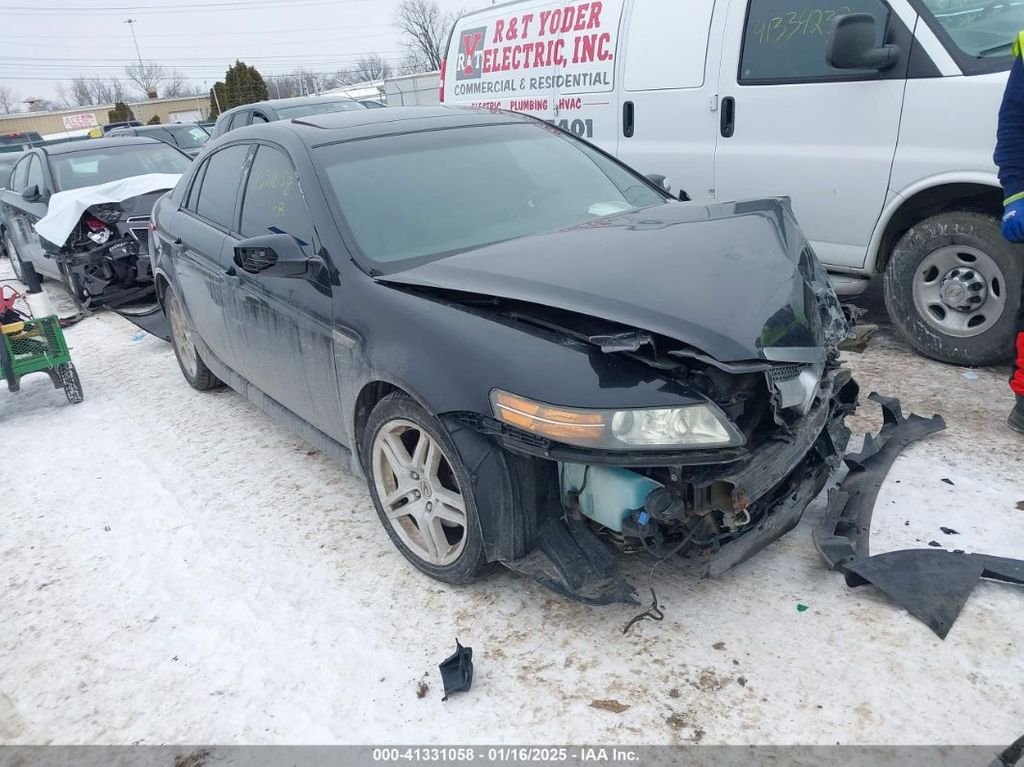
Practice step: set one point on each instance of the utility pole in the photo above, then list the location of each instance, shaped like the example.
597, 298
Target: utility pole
131, 25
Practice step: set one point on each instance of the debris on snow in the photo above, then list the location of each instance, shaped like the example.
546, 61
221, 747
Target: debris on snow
609, 705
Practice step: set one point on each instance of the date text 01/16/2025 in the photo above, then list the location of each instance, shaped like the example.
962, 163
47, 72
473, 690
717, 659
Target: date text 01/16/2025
502, 754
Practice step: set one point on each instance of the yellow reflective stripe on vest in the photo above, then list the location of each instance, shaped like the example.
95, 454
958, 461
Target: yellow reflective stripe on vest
1018, 44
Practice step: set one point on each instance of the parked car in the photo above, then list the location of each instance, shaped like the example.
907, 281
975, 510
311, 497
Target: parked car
876, 117
104, 257
281, 109
102, 130
20, 139
510, 332
188, 138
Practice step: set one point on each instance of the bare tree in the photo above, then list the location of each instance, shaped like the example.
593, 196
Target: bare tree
177, 86
90, 91
147, 76
8, 99
371, 69
425, 29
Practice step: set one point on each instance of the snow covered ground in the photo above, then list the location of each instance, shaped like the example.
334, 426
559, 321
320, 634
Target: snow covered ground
174, 568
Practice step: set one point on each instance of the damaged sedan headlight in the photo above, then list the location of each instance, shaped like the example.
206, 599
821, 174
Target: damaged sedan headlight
676, 428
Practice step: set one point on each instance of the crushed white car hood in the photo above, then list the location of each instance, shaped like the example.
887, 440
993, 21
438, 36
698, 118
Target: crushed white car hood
65, 209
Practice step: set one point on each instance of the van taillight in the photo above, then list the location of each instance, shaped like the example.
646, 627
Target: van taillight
440, 91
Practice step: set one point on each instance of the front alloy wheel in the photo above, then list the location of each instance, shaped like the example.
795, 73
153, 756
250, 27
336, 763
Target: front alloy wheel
422, 492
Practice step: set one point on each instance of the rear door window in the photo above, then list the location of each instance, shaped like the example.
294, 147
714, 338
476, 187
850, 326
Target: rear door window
220, 186
241, 119
273, 202
787, 41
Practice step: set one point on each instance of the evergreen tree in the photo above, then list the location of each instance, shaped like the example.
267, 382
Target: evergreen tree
218, 99
154, 120
242, 85
120, 113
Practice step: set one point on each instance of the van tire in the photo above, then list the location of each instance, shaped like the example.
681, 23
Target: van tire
974, 241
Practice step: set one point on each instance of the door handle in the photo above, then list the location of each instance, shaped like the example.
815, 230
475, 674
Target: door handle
628, 119
728, 117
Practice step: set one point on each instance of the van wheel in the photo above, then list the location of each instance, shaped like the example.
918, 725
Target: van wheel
421, 490
952, 288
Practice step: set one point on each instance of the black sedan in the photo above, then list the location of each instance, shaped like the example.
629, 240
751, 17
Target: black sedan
106, 256
188, 138
528, 349
282, 109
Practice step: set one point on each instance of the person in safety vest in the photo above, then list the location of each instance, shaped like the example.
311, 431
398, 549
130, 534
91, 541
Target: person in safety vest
1009, 157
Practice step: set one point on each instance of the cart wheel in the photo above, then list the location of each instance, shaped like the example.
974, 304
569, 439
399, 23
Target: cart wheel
71, 383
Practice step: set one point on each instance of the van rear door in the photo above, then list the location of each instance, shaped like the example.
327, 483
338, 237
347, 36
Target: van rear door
554, 60
793, 125
667, 98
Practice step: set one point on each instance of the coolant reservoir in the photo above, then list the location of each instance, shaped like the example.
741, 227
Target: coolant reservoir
610, 494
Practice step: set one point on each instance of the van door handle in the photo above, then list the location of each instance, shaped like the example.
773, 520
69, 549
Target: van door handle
628, 119
728, 118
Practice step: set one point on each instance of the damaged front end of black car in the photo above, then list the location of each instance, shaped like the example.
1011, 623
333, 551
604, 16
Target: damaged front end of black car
105, 262
739, 336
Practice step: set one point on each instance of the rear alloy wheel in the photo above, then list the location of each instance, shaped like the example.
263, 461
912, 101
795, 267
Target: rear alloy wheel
952, 288
12, 253
422, 492
192, 366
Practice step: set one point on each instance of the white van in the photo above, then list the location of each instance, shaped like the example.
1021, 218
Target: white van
876, 117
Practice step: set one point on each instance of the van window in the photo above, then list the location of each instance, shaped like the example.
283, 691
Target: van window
667, 49
785, 41
980, 30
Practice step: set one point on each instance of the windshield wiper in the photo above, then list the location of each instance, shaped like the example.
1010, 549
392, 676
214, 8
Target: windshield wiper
994, 48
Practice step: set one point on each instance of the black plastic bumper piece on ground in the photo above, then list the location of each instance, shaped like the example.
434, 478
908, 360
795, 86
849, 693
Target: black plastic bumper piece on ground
457, 670
930, 584
571, 561
845, 530
155, 323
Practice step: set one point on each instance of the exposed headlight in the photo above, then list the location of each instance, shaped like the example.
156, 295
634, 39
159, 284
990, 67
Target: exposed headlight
677, 428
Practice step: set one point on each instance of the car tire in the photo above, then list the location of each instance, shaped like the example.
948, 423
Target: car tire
438, 532
198, 375
12, 253
952, 288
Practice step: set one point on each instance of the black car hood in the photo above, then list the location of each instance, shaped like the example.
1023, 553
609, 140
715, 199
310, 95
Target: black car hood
730, 279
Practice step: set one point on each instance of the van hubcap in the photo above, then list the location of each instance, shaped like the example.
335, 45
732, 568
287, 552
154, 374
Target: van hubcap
419, 493
959, 291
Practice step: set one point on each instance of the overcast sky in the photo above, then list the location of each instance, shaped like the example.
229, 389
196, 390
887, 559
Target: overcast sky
43, 42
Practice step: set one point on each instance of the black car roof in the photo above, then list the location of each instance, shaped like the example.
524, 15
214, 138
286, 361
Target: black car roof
330, 127
292, 102
96, 143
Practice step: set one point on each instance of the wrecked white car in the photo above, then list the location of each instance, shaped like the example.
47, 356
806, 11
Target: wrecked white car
79, 212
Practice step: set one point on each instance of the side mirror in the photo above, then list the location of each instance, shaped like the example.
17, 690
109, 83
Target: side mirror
275, 255
851, 44
31, 194
659, 180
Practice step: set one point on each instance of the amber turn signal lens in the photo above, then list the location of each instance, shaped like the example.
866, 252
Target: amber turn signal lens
549, 421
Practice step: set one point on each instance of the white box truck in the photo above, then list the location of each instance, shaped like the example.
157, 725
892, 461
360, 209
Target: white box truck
876, 117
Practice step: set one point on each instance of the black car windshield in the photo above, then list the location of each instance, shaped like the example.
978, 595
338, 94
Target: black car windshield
434, 193
112, 163
980, 28
318, 108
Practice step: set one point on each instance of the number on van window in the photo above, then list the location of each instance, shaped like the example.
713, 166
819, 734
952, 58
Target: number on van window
787, 41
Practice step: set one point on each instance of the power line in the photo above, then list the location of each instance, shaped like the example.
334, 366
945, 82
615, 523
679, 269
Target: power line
75, 36
236, 5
